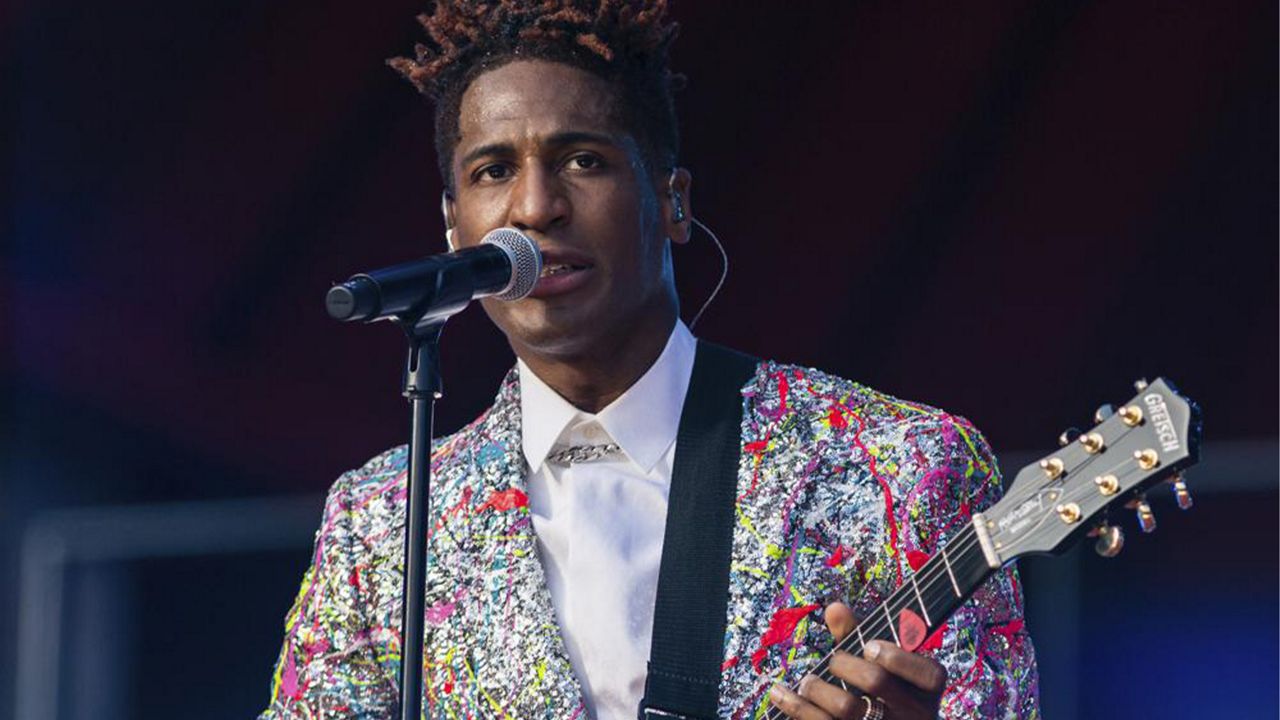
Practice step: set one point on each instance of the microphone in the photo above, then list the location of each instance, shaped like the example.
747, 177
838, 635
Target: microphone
505, 264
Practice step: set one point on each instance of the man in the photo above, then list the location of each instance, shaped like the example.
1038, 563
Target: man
548, 512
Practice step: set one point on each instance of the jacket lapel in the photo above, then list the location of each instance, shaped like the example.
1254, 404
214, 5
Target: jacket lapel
499, 643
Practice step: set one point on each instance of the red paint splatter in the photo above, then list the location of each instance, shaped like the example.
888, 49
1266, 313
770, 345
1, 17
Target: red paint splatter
916, 559
934, 641
1009, 630
448, 687
888, 494
781, 627
783, 623
729, 663
757, 447
890, 521
965, 510
837, 557
505, 500
911, 630
836, 418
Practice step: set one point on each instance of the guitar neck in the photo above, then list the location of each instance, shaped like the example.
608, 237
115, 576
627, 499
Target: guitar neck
915, 609
923, 602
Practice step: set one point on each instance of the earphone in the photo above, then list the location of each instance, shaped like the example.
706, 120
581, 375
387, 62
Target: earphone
677, 200
446, 210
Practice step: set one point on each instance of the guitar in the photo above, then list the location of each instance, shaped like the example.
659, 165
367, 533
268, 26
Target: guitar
1049, 506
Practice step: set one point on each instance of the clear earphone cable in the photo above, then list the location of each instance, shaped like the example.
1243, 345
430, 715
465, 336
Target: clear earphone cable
724, 271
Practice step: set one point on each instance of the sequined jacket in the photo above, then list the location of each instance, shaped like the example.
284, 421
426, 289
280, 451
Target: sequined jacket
842, 491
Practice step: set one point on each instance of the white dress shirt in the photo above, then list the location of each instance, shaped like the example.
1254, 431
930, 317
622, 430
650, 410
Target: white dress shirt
600, 524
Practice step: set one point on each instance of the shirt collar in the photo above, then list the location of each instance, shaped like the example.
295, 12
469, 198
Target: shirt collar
643, 420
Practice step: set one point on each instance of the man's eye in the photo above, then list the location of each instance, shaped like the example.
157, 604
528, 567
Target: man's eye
584, 161
492, 172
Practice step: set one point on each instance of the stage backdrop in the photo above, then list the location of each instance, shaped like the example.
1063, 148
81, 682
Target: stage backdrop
1008, 209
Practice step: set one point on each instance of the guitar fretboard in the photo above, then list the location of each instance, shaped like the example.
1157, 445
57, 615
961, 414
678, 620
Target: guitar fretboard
915, 609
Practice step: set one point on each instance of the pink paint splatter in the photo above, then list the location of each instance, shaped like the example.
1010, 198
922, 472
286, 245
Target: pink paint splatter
289, 677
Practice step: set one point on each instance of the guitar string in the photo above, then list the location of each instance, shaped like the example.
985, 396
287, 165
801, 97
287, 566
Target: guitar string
878, 628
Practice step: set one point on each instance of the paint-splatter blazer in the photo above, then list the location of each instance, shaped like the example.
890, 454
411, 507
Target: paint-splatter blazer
842, 491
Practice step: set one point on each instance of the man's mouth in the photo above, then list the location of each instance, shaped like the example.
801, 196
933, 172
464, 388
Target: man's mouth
563, 271
552, 270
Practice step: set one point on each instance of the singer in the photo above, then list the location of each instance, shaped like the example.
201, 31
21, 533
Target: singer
565, 519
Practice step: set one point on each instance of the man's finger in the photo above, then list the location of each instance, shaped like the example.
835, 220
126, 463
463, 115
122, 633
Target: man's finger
838, 701
922, 672
864, 676
840, 620
795, 706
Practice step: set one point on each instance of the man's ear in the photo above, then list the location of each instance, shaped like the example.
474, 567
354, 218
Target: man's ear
677, 208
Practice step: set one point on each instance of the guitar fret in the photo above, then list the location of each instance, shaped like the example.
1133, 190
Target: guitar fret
920, 599
947, 561
892, 629
861, 640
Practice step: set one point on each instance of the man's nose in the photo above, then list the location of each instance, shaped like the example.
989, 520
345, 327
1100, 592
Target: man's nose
539, 202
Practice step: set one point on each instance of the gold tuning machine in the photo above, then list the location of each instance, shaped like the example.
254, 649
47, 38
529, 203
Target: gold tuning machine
1107, 484
1069, 513
1110, 540
1131, 415
1092, 442
1103, 412
1146, 458
1052, 467
1181, 492
1146, 518
1068, 436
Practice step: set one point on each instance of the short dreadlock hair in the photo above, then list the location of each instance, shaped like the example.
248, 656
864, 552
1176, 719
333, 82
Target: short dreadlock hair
624, 42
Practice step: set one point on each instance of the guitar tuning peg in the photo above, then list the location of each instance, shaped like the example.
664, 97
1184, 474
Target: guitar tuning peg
1103, 412
1140, 384
1181, 492
1110, 540
1146, 518
1068, 436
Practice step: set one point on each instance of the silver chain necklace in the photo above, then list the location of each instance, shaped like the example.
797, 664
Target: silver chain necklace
573, 454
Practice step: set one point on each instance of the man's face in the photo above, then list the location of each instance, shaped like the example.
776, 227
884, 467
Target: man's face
539, 150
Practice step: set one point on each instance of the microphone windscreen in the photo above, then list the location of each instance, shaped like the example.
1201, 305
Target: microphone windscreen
526, 261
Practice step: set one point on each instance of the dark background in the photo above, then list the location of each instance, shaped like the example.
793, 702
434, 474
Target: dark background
1010, 210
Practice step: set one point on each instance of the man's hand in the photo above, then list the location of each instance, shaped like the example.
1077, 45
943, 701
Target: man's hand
909, 685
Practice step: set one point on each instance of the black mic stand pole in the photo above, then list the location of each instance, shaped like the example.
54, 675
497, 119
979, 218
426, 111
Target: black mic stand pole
422, 386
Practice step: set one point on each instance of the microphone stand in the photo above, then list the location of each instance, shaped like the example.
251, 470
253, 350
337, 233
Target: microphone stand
452, 288
422, 386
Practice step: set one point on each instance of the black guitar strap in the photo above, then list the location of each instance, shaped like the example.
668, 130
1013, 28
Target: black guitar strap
693, 580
